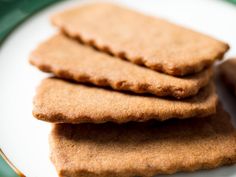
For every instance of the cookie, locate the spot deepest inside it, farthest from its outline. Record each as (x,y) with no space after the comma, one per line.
(228,73)
(143,149)
(60,101)
(69,59)
(141,39)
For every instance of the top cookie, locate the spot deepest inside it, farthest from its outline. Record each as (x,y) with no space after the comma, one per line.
(142,39)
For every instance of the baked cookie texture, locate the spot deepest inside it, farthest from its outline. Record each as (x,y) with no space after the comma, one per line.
(141,39)
(60,101)
(66,58)
(143,149)
(228,73)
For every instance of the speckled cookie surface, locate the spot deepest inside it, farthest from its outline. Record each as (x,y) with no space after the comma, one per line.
(69,59)
(143,149)
(63,102)
(228,73)
(150,41)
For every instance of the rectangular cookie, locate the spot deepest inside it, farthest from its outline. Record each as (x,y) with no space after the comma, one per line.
(228,73)
(143,149)
(60,101)
(141,39)
(66,58)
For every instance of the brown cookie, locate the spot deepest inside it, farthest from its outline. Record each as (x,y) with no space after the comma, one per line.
(143,149)
(60,101)
(67,58)
(228,73)
(153,42)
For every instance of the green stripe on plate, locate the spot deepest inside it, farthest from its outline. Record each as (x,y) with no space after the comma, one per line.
(232,1)
(13,12)
(5,169)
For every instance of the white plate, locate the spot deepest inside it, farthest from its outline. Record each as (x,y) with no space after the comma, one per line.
(25,139)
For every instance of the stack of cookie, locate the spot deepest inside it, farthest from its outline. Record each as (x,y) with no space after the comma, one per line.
(111,115)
